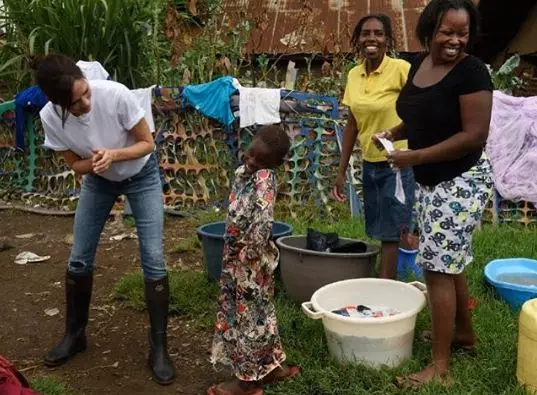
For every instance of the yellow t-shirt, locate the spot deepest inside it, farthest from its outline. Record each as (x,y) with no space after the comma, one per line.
(371,98)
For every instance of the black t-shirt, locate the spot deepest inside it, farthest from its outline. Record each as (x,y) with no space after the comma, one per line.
(432,115)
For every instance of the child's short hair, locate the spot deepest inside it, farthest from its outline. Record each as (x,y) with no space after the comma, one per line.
(275,137)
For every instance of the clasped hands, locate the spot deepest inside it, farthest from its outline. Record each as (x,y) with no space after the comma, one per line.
(101,160)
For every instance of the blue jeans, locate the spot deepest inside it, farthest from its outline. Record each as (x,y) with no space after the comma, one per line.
(97,198)
(385,216)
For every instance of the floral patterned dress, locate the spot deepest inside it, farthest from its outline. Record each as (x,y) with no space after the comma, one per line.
(246,331)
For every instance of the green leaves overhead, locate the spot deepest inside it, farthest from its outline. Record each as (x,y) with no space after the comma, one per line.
(116,33)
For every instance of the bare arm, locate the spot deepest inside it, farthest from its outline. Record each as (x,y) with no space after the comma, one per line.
(349,138)
(75,162)
(476,111)
(103,158)
(398,132)
(144,143)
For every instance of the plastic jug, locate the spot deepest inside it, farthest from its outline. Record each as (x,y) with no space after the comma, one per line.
(527,346)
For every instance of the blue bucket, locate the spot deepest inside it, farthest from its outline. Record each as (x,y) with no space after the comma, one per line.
(212,244)
(499,272)
(406,265)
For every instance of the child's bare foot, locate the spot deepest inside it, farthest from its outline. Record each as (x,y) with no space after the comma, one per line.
(428,375)
(281,374)
(236,387)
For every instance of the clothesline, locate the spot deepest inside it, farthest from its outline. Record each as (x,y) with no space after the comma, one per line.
(291,101)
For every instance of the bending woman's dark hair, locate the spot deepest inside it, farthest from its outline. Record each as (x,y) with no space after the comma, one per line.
(432,15)
(382,18)
(56,75)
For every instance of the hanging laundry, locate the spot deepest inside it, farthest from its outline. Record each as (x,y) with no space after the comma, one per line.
(145,98)
(512,146)
(93,70)
(259,106)
(212,99)
(32,99)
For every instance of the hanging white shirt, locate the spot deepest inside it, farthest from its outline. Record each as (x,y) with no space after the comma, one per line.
(258,106)
(114,112)
(93,70)
(145,99)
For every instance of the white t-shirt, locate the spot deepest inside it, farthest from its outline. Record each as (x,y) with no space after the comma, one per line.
(114,112)
(95,71)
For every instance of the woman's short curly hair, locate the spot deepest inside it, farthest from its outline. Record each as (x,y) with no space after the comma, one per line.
(434,11)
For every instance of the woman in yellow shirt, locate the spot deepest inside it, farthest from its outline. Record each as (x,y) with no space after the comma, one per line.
(371,92)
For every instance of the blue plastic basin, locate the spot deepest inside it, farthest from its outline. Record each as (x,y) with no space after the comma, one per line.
(406,265)
(212,244)
(514,294)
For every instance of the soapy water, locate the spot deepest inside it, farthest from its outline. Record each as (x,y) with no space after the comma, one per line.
(525,279)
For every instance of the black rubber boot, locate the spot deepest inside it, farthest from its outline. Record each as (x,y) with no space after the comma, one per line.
(78,296)
(157,294)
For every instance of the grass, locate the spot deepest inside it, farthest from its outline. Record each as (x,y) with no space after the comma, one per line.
(191,295)
(129,221)
(492,371)
(191,243)
(49,386)
(206,216)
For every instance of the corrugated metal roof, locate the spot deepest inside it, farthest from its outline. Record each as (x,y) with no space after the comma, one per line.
(308,26)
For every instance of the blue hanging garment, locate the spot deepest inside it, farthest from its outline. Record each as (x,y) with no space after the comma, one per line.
(212,99)
(32,99)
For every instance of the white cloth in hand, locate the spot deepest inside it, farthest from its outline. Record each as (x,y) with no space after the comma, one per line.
(399,190)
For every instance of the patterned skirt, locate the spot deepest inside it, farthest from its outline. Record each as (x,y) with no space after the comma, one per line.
(447,215)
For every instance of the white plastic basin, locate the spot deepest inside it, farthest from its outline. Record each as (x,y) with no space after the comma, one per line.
(372,341)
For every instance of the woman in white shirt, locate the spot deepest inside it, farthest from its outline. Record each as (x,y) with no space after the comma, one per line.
(100,130)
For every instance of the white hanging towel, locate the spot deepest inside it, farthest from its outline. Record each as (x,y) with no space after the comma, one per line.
(93,70)
(145,98)
(399,190)
(258,106)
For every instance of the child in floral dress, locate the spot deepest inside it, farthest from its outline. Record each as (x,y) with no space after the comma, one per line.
(246,331)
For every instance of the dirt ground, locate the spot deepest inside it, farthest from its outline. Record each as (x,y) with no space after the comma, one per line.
(115,362)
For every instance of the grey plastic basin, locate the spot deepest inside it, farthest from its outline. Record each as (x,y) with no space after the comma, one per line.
(304,271)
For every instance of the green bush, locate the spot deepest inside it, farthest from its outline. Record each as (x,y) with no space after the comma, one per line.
(117,33)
